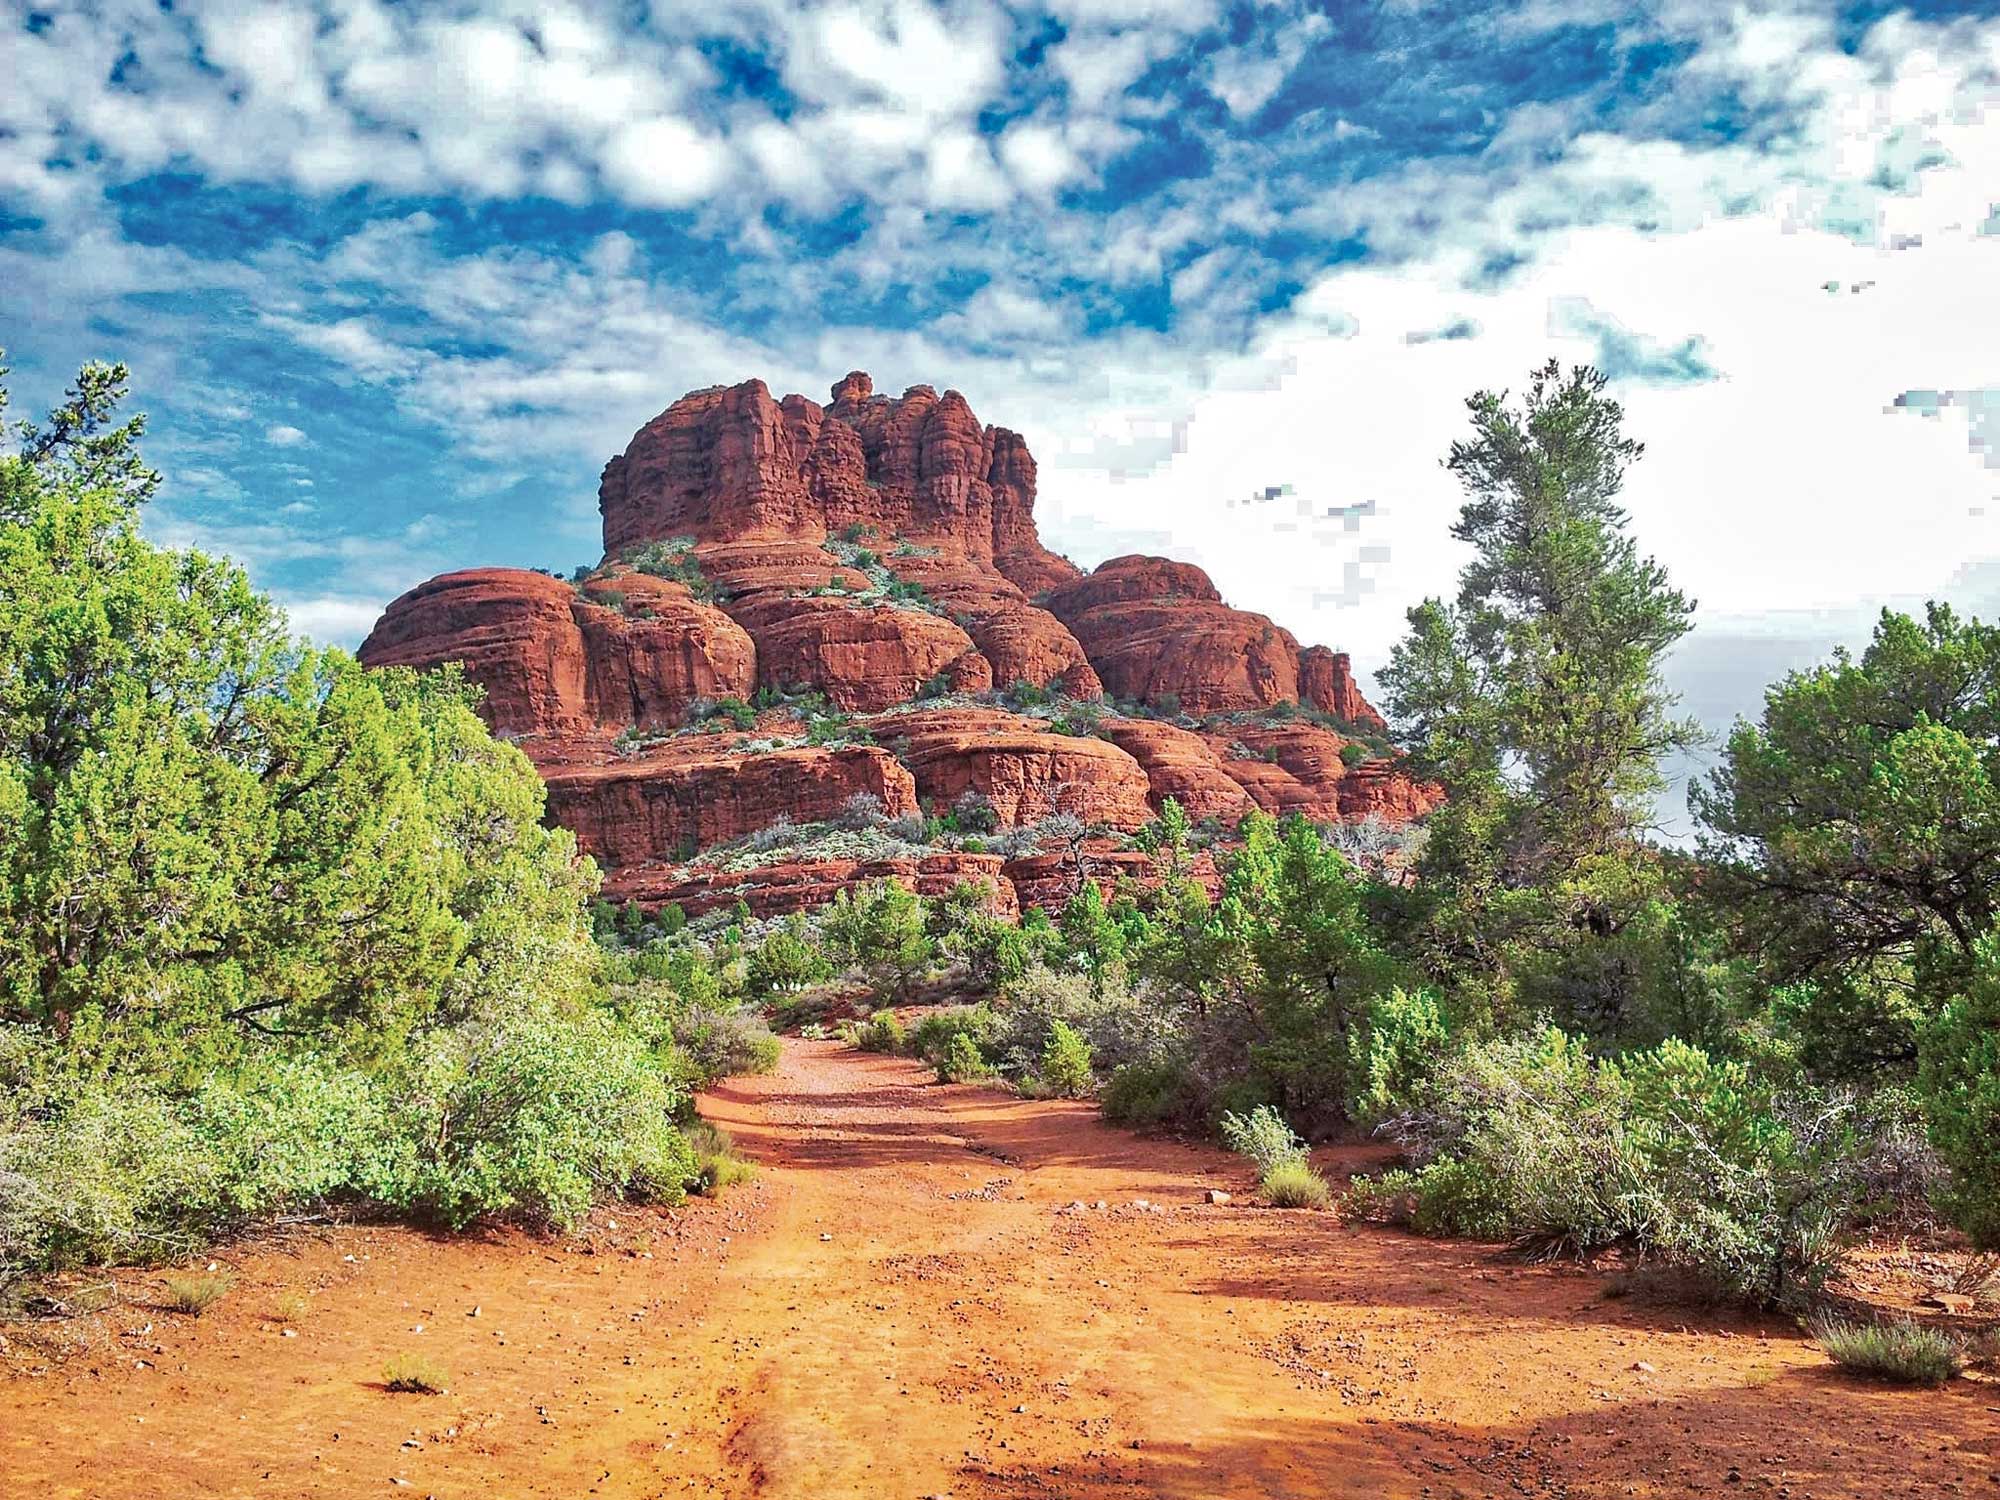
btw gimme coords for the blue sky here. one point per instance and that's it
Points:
(396, 280)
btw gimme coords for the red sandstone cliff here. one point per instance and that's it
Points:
(875, 550)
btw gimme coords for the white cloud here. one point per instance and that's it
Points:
(664, 162)
(333, 621)
(283, 436)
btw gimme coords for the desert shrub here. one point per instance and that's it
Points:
(938, 1032)
(1903, 1351)
(1293, 1184)
(1147, 1093)
(717, 1167)
(1117, 1025)
(532, 1114)
(787, 959)
(962, 1061)
(1264, 1137)
(1393, 1053)
(1065, 1069)
(973, 812)
(882, 1033)
(724, 1043)
(1524, 1139)
(415, 1374)
(114, 1176)
(862, 810)
(1752, 1190)
(194, 1292)
(779, 833)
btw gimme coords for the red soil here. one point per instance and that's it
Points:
(907, 1303)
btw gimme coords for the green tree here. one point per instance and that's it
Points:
(1959, 1080)
(880, 930)
(1536, 695)
(786, 960)
(1854, 830)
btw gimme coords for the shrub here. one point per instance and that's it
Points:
(1264, 1137)
(717, 1166)
(1065, 1070)
(1146, 1093)
(935, 1035)
(1526, 1139)
(962, 1062)
(1393, 1053)
(415, 1374)
(788, 959)
(532, 1114)
(1295, 1185)
(882, 1033)
(862, 810)
(1904, 1351)
(195, 1293)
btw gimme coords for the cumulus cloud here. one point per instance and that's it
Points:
(283, 436)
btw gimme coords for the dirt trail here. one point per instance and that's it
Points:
(909, 1303)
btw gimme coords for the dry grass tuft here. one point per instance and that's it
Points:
(414, 1373)
(195, 1292)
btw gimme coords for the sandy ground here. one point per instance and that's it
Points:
(922, 1296)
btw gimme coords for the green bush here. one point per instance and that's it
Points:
(532, 1115)
(882, 1033)
(1959, 1077)
(1393, 1053)
(962, 1062)
(1293, 1184)
(1264, 1137)
(939, 1031)
(1148, 1093)
(717, 1167)
(1066, 1070)
(1902, 1351)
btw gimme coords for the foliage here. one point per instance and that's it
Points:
(717, 1167)
(1264, 1137)
(879, 930)
(195, 1292)
(786, 960)
(1903, 1351)
(1391, 1055)
(962, 1061)
(882, 1032)
(937, 1034)
(1293, 1184)
(1066, 1070)
(1148, 1093)
(1536, 696)
(1959, 1081)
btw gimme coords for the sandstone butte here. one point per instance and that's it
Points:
(881, 553)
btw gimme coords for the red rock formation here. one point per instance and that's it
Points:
(1024, 769)
(1326, 681)
(554, 661)
(696, 790)
(1157, 630)
(1182, 765)
(764, 498)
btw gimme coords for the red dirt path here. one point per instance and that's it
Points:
(907, 1305)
